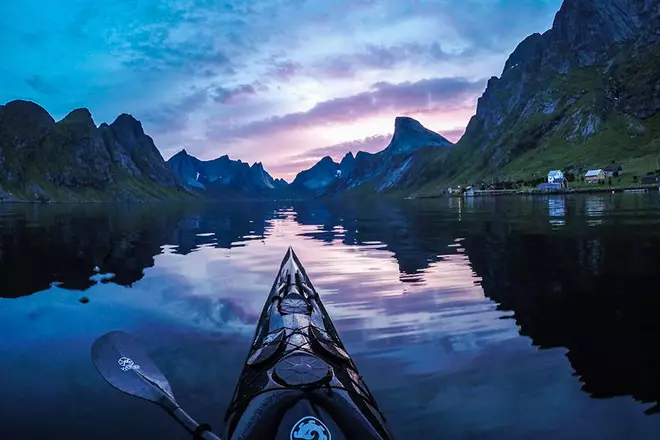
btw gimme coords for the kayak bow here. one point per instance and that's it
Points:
(298, 382)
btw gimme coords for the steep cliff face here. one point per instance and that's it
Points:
(320, 176)
(583, 92)
(390, 169)
(138, 152)
(223, 176)
(410, 135)
(74, 160)
(184, 166)
(73, 154)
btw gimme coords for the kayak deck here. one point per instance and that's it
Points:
(298, 381)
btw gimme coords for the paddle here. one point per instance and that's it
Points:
(124, 365)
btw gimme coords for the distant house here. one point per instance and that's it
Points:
(613, 170)
(557, 177)
(469, 191)
(594, 176)
(454, 190)
(650, 179)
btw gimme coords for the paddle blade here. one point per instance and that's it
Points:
(123, 364)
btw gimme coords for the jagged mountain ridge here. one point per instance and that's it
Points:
(379, 171)
(218, 176)
(74, 160)
(583, 93)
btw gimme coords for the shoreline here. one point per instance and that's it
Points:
(536, 192)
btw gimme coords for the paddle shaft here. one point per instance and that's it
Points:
(191, 425)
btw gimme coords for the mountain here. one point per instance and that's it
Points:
(74, 160)
(388, 169)
(580, 95)
(410, 135)
(223, 176)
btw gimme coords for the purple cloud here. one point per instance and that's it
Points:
(371, 144)
(382, 98)
(384, 58)
(283, 70)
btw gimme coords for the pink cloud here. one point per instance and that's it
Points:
(454, 134)
(383, 98)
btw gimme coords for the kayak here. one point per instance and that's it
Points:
(298, 381)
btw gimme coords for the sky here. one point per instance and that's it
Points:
(282, 82)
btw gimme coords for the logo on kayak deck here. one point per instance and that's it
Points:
(127, 363)
(310, 428)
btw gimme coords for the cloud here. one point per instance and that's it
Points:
(39, 84)
(263, 78)
(453, 135)
(382, 57)
(283, 70)
(382, 98)
(174, 117)
(232, 95)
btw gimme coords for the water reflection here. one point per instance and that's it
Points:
(595, 207)
(557, 210)
(431, 298)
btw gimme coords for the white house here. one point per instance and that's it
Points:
(556, 176)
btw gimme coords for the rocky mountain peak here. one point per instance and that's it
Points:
(126, 122)
(595, 68)
(27, 112)
(406, 123)
(348, 157)
(597, 23)
(410, 135)
(79, 116)
(23, 124)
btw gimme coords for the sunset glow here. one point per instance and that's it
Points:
(279, 82)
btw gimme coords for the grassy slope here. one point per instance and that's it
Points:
(614, 140)
(139, 189)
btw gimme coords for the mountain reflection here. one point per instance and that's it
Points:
(592, 291)
(63, 244)
(576, 272)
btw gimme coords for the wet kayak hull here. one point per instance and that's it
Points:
(298, 381)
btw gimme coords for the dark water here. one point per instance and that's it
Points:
(485, 318)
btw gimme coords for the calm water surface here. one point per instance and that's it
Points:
(511, 318)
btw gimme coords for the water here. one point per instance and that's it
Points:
(480, 318)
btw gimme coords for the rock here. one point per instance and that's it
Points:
(410, 135)
(50, 161)
(223, 174)
(605, 50)
(73, 153)
(145, 159)
(22, 126)
(387, 169)
(322, 174)
(37, 193)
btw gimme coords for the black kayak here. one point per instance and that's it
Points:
(298, 382)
